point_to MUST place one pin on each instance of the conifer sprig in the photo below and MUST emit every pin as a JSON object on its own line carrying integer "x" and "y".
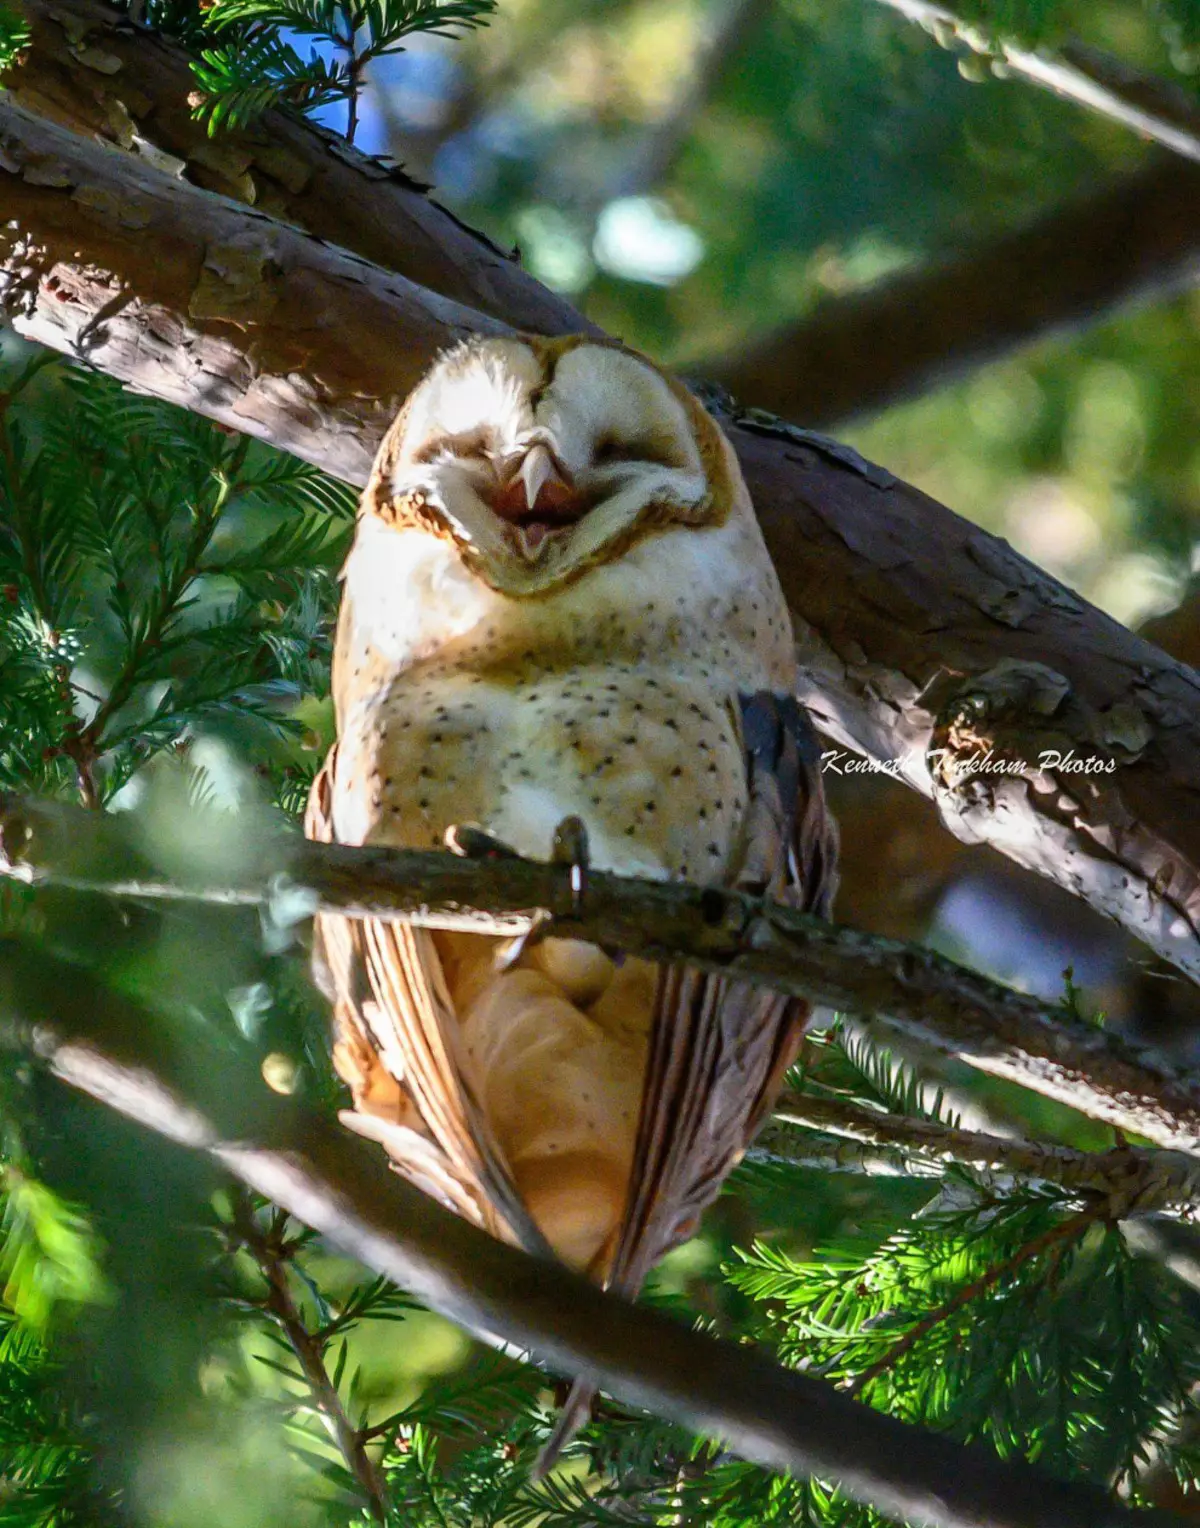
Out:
{"x": 258, "y": 66}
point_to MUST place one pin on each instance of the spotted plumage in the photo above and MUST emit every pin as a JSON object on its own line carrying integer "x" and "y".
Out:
{"x": 558, "y": 604}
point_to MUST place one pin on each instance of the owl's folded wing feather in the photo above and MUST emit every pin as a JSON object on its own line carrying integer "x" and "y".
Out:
{"x": 719, "y": 1049}
{"x": 398, "y": 1048}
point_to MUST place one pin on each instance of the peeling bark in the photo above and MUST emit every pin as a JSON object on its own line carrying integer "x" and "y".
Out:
{"x": 209, "y": 305}
{"x": 89, "y": 68}
{"x": 924, "y": 642}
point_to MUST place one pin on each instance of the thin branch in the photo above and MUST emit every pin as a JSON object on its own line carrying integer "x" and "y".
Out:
{"x": 272, "y": 1256}
{"x": 1055, "y": 1239}
{"x": 960, "y": 1013}
{"x": 1130, "y": 1180}
{"x": 1133, "y": 240}
{"x": 204, "y": 1096}
{"x": 1148, "y": 106}
{"x": 921, "y": 640}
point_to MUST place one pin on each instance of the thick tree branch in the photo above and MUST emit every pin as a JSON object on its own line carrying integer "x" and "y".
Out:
{"x": 1129, "y": 1180}
{"x": 1135, "y": 239}
{"x": 1150, "y": 107}
{"x": 916, "y": 630}
{"x": 204, "y": 1096}
{"x": 89, "y": 68}
{"x": 920, "y": 993}
{"x": 213, "y": 306}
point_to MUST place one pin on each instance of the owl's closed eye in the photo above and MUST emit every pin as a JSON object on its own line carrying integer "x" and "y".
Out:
{"x": 536, "y": 456}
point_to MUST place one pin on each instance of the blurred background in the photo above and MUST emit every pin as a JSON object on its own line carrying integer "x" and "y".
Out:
{"x": 710, "y": 180}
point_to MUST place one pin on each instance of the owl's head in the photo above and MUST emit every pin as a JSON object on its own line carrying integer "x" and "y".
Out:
{"x": 539, "y": 458}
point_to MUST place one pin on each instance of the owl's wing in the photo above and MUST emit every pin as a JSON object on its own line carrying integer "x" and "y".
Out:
{"x": 719, "y": 1049}
{"x": 397, "y": 1046}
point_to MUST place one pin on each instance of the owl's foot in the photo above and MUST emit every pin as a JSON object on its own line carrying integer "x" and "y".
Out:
{"x": 471, "y": 842}
{"x": 570, "y": 849}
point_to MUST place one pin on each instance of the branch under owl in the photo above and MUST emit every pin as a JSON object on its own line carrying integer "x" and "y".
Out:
{"x": 898, "y": 986}
{"x": 1035, "y": 723}
{"x": 208, "y": 1097}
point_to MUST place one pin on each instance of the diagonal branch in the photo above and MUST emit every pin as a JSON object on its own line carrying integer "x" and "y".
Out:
{"x": 266, "y": 1247}
{"x": 89, "y": 68}
{"x": 206, "y": 1097}
{"x": 923, "y": 642}
{"x": 1073, "y": 1229}
{"x": 1129, "y": 1179}
{"x": 920, "y": 993}
{"x": 1150, "y": 107}
{"x": 1131, "y": 241}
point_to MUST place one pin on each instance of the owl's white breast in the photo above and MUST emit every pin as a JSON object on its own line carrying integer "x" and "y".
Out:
{"x": 410, "y": 593}
{"x": 612, "y": 698}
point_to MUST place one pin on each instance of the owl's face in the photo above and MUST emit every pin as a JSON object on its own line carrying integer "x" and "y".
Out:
{"x": 539, "y": 458}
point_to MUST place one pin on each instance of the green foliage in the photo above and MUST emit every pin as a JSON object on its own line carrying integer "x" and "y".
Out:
{"x": 45, "y": 1458}
{"x": 258, "y": 67}
{"x": 15, "y": 33}
{"x": 838, "y": 1063}
{"x": 48, "y": 1256}
{"x": 1040, "y": 21}
{"x": 137, "y": 604}
{"x": 1026, "y": 1321}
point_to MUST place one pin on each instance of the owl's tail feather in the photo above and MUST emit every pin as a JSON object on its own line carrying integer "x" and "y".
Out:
{"x": 576, "y": 1413}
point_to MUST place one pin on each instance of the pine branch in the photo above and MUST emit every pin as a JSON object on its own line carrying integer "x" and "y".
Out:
{"x": 268, "y": 1247}
{"x": 920, "y": 993}
{"x": 1130, "y": 1180}
{"x": 1053, "y": 1240}
{"x": 1149, "y": 107}
{"x": 258, "y": 69}
{"x": 207, "y": 1098}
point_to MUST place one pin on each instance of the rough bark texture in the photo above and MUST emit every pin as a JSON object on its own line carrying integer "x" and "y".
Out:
{"x": 89, "y": 68}
{"x": 213, "y": 306}
{"x": 915, "y": 628}
{"x": 1133, "y": 240}
{"x": 903, "y": 986}
{"x": 119, "y": 1053}
{"x": 927, "y": 644}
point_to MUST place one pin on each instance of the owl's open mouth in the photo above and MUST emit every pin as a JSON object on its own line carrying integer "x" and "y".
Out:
{"x": 538, "y": 502}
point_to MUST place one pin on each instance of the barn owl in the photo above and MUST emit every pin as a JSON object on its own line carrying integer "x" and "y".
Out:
{"x": 558, "y": 604}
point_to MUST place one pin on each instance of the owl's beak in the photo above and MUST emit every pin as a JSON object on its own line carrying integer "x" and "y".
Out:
{"x": 545, "y": 486}
{"x": 537, "y": 500}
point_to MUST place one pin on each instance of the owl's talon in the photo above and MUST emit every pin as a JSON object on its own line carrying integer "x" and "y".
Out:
{"x": 534, "y": 934}
{"x": 570, "y": 849}
{"x": 471, "y": 842}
